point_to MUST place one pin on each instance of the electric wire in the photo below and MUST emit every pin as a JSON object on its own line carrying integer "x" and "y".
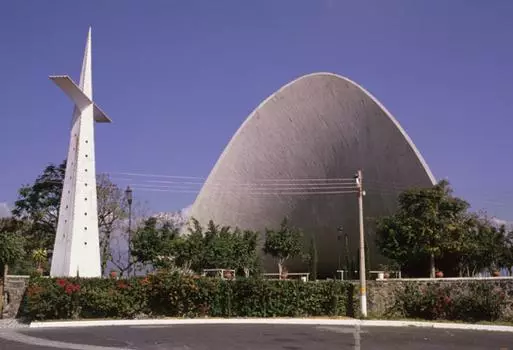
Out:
{"x": 274, "y": 186}
{"x": 246, "y": 193}
{"x": 334, "y": 179}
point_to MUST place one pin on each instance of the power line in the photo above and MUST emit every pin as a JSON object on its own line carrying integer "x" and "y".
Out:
{"x": 333, "y": 179}
{"x": 172, "y": 182}
{"x": 309, "y": 186}
{"x": 257, "y": 187}
{"x": 157, "y": 175}
{"x": 310, "y": 180}
{"x": 236, "y": 184}
{"x": 241, "y": 187}
{"x": 247, "y": 193}
{"x": 389, "y": 185}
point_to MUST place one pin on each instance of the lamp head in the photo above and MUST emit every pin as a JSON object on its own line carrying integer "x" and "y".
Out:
{"x": 128, "y": 194}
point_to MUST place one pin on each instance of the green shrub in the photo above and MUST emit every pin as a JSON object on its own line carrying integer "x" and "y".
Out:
{"x": 175, "y": 295}
{"x": 467, "y": 301}
{"x": 64, "y": 298}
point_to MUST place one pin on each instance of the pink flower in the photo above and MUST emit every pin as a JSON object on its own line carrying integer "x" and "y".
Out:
{"x": 62, "y": 282}
{"x": 122, "y": 285}
{"x": 72, "y": 288}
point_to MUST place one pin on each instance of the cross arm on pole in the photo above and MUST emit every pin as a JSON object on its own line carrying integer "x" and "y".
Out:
{"x": 78, "y": 97}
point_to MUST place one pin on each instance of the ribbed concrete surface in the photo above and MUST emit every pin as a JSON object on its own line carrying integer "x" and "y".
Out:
{"x": 320, "y": 126}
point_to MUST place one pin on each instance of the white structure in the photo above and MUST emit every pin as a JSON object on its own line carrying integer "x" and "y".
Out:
{"x": 77, "y": 248}
{"x": 292, "y": 157}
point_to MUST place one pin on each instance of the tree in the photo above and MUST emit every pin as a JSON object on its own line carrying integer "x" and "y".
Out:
{"x": 154, "y": 244}
{"x": 284, "y": 244}
{"x": 11, "y": 249}
{"x": 464, "y": 254}
{"x": 424, "y": 225}
{"x": 245, "y": 251}
{"x": 160, "y": 245}
{"x": 11, "y": 241}
{"x": 112, "y": 210}
{"x": 38, "y": 205}
{"x": 229, "y": 248}
{"x": 40, "y": 257}
{"x": 190, "y": 249}
{"x": 495, "y": 252}
{"x": 395, "y": 239}
{"x": 219, "y": 247}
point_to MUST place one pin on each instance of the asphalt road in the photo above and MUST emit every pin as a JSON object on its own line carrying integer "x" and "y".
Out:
{"x": 257, "y": 337}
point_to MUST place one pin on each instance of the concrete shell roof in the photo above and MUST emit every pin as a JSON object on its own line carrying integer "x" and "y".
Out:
{"x": 286, "y": 157}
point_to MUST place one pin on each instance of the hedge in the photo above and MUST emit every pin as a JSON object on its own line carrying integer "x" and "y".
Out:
{"x": 174, "y": 295}
{"x": 469, "y": 301}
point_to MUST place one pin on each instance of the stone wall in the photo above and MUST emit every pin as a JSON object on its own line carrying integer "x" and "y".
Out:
{"x": 13, "y": 294}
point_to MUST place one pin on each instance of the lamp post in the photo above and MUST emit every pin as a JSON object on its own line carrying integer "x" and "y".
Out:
{"x": 128, "y": 194}
{"x": 339, "y": 239}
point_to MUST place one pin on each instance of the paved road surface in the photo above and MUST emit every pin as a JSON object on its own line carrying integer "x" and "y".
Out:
{"x": 257, "y": 337}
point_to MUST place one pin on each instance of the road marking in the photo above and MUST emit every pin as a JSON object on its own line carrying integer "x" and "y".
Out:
{"x": 17, "y": 337}
{"x": 341, "y": 329}
{"x": 357, "y": 337}
{"x": 151, "y": 326}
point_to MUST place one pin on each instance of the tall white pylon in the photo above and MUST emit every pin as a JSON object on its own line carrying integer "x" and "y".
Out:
{"x": 77, "y": 247}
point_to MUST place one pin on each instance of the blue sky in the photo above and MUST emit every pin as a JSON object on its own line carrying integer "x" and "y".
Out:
{"x": 179, "y": 77}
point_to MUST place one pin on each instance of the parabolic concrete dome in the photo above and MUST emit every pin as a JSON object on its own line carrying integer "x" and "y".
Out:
{"x": 292, "y": 156}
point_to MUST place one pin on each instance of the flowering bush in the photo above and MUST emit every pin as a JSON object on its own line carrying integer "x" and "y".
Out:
{"x": 468, "y": 301}
{"x": 56, "y": 299}
{"x": 68, "y": 286}
{"x": 64, "y": 298}
{"x": 176, "y": 295}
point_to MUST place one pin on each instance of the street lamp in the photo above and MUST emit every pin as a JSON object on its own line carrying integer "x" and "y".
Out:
{"x": 128, "y": 195}
{"x": 339, "y": 238}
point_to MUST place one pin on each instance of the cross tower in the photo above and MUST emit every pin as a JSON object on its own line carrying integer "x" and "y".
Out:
{"x": 77, "y": 247}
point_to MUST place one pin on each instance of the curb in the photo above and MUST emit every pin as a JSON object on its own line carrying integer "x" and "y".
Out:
{"x": 271, "y": 321}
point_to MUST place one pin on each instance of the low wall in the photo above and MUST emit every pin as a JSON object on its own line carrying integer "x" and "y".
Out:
{"x": 383, "y": 294}
{"x": 14, "y": 290}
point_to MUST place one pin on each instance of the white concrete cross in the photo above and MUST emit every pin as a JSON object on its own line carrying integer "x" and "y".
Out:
{"x": 77, "y": 247}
